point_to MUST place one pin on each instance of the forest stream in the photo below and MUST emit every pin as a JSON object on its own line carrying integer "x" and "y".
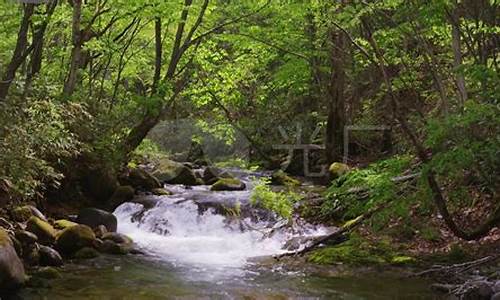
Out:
{"x": 193, "y": 250}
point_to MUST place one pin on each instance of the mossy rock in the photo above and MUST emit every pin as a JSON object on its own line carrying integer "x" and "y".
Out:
{"x": 173, "y": 172}
{"x": 228, "y": 184}
{"x": 86, "y": 253}
{"x": 23, "y": 213}
{"x": 111, "y": 247}
{"x": 117, "y": 238}
{"x": 122, "y": 194}
{"x": 63, "y": 224}
{"x": 75, "y": 238}
{"x": 161, "y": 192}
{"x": 43, "y": 230}
{"x": 142, "y": 179}
{"x": 338, "y": 169}
{"x": 281, "y": 178}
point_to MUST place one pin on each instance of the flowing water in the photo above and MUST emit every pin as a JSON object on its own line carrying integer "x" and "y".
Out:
{"x": 201, "y": 244}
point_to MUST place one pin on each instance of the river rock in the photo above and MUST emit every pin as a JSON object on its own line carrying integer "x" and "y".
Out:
{"x": 281, "y": 178}
{"x": 100, "y": 230}
{"x": 94, "y": 217}
{"x": 117, "y": 238}
{"x": 122, "y": 194}
{"x": 12, "y": 272}
{"x": 43, "y": 230}
{"x": 100, "y": 183}
{"x": 212, "y": 174}
{"x": 74, "y": 238}
{"x": 110, "y": 247}
{"x": 23, "y": 213}
{"x": 26, "y": 237}
{"x": 63, "y": 224}
{"x": 142, "y": 179}
{"x": 86, "y": 253}
{"x": 228, "y": 184}
{"x": 174, "y": 173}
{"x": 49, "y": 257}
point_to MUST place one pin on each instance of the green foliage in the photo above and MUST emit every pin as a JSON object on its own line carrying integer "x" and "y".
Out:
{"x": 376, "y": 180}
{"x": 280, "y": 202}
{"x": 148, "y": 151}
{"x": 358, "y": 251}
{"x": 36, "y": 139}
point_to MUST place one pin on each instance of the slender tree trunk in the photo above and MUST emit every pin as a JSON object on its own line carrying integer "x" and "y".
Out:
{"x": 457, "y": 59}
{"x": 76, "y": 52}
{"x": 20, "y": 54}
{"x": 158, "y": 56}
{"x": 336, "y": 93}
{"x": 35, "y": 64}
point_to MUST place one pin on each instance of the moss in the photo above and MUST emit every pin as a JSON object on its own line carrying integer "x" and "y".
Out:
{"x": 74, "y": 238}
{"x": 403, "y": 260}
{"x": 21, "y": 213}
{"x": 43, "y": 230}
{"x": 225, "y": 184}
{"x": 63, "y": 224}
{"x": 4, "y": 238}
{"x": 358, "y": 251}
{"x": 161, "y": 192}
{"x": 282, "y": 178}
{"x": 346, "y": 253}
{"x": 338, "y": 169}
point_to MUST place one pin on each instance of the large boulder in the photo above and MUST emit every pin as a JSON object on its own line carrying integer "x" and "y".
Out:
{"x": 49, "y": 257}
{"x": 94, "y": 217}
{"x": 43, "y": 230}
{"x": 212, "y": 174}
{"x": 141, "y": 179}
{"x": 12, "y": 273}
{"x": 122, "y": 194}
{"x": 281, "y": 178}
{"x": 338, "y": 169}
{"x": 23, "y": 213}
{"x": 100, "y": 183}
{"x": 75, "y": 238}
{"x": 228, "y": 184}
{"x": 175, "y": 173}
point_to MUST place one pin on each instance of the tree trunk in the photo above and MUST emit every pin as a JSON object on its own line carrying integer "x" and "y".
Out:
{"x": 336, "y": 106}
{"x": 20, "y": 53}
{"x": 457, "y": 59}
{"x": 76, "y": 52}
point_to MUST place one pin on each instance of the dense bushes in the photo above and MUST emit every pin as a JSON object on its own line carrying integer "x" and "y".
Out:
{"x": 35, "y": 140}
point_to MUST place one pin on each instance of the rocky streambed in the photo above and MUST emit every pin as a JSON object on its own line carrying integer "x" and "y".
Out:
{"x": 191, "y": 236}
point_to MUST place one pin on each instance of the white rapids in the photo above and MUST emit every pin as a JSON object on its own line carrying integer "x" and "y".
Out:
{"x": 175, "y": 231}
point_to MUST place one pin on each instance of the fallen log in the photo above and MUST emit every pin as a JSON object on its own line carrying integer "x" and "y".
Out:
{"x": 335, "y": 236}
